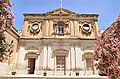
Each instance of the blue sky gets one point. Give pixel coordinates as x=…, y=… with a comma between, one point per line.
x=108, y=10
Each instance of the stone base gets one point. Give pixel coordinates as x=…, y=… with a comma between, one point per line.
x=51, y=77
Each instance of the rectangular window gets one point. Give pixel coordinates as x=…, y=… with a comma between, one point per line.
x=61, y=29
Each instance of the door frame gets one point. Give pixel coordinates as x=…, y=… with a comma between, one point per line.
x=64, y=64
x=60, y=52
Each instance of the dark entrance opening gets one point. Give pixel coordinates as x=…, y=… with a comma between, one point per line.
x=31, y=65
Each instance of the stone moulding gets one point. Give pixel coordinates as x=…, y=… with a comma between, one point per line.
x=57, y=38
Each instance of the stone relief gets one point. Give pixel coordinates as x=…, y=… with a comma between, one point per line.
x=35, y=26
x=86, y=27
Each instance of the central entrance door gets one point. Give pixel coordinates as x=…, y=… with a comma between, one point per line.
x=60, y=65
x=31, y=65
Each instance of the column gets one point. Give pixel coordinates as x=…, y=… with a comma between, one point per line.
x=71, y=29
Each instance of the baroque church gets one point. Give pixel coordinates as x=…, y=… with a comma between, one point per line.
x=56, y=43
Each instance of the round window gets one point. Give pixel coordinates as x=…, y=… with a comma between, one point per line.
x=86, y=27
x=35, y=26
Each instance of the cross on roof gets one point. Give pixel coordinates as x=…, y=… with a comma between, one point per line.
x=60, y=3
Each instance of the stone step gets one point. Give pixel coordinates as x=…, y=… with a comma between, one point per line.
x=50, y=77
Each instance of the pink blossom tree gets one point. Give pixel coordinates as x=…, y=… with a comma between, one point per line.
x=107, y=51
x=6, y=22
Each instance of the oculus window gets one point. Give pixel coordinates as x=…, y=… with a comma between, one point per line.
x=35, y=26
x=34, y=29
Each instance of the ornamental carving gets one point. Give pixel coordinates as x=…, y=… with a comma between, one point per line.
x=34, y=27
x=86, y=29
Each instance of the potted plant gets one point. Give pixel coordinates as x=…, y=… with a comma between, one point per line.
x=77, y=73
x=45, y=73
x=13, y=71
x=76, y=70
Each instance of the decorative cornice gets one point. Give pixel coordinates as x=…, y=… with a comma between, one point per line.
x=68, y=13
x=87, y=15
x=23, y=38
x=77, y=15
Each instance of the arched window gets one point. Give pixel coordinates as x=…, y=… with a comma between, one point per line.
x=60, y=29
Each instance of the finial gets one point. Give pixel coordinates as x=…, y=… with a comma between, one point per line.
x=60, y=3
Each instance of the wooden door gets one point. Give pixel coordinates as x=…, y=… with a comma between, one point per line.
x=60, y=64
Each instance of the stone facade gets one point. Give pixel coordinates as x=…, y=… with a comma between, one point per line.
x=59, y=42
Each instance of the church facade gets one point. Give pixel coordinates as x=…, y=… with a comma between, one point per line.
x=56, y=43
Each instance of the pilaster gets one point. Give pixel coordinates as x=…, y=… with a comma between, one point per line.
x=76, y=26
x=51, y=28
x=46, y=28
x=44, y=57
x=72, y=57
x=72, y=29
x=96, y=28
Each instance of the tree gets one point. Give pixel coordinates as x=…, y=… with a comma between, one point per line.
x=107, y=51
x=6, y=22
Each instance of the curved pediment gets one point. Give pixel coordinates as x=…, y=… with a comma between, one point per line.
x=87, y=55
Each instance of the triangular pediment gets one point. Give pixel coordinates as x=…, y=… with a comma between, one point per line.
x=60, y=11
